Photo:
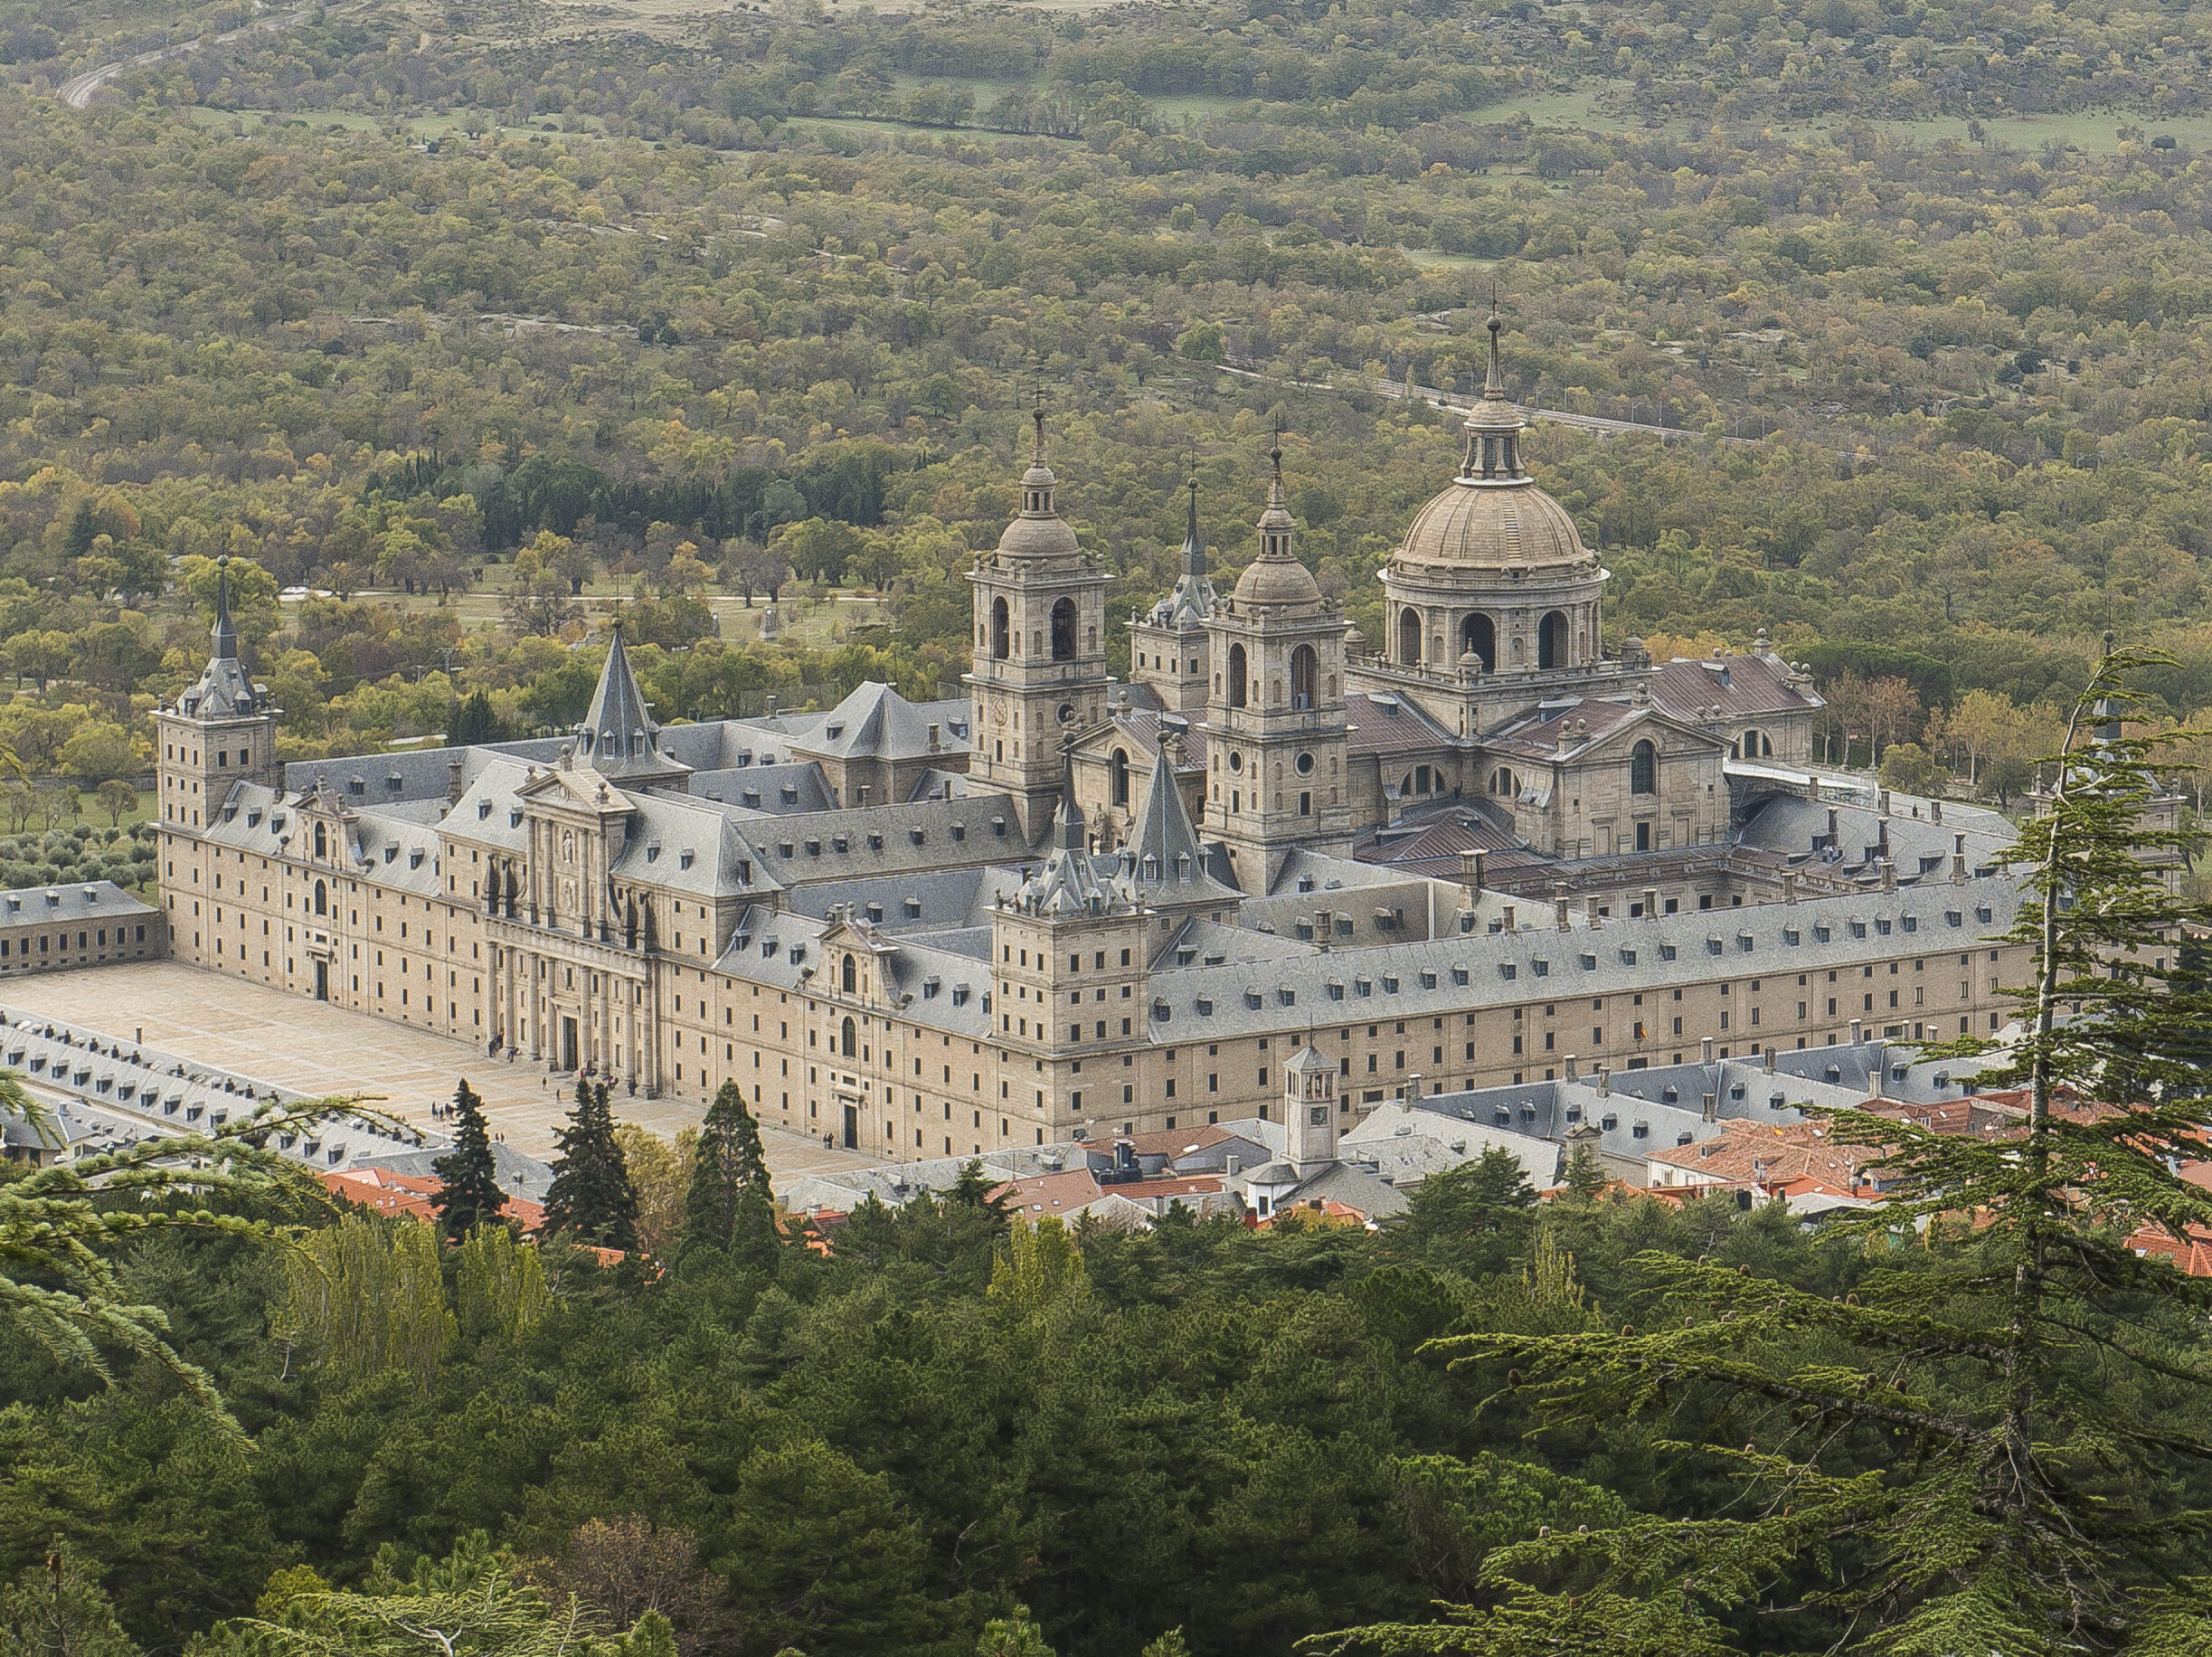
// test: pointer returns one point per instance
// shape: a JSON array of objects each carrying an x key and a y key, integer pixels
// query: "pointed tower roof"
[
  {"x": 1162, "y": 857},
  {"x": 1275, "y": 576},
  {"x": 1039, "y": 532},
  {"x": 1493, "y": 416},
  {"x": 1193, "y": 600},
  {"x": 618, "y": 738},
  {"x": 1068, "y": 884},
  {"x": 222, "y": 690}
]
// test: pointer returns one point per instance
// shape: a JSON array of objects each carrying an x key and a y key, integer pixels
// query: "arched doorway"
[
  {"x": 1409, "y": 638},
  {"x": 1305, "y": 671},
  {"x": 1063, "y": 631},
  {"x": 1479, "y": 634},
  {"x": 1551, "y": 641},
  {"x": 1238, "y": 673},
  {"x": 1000, "y": 631}
]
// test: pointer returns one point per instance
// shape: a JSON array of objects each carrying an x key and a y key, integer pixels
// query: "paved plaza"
[{"x": 314, "y": 1048}]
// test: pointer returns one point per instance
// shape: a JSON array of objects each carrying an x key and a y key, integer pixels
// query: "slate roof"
[
  {"x": 1162, "y": 857},
  {"x": 1739, "y": 686},
  {"x": 1378, "y": 724},
  {"x": 774, "y": 790},
  {"x": 871, "y": 840},
  {"x": 94, "y": 900},
  {"x": 875, "y": 723}
]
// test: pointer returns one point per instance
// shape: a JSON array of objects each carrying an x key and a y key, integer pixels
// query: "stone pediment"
[{"x": 581, "y": 789}]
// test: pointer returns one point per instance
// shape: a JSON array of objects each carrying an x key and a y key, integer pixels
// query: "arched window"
[
  {"x": 1421, "y": 779},
  {"x": 1643, "y": 769},
  {"x": 1063, "y": 631},
  {"x": 1238, "y": 673},
  {"x": 852, "y": 976},
  {"x": 322, "y": 896},
  {"x": 1305, "y": 671},
  {"x": 999, "y": 632},
  {"x": 1551, "y": 641},
  {"x": 1479, "y": 634},
  {"x": 1504, "y": 783},
  {"x": 1117, "y": 776},
  {"x": 1409, "y": 638},
  {"x": 1755, "y": 746},
  {"x": 322, "y": 842},
  {"x": 849, "y": 1040}
]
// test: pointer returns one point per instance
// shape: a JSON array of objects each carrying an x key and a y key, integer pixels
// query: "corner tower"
[
  {"x": 1040, "y": 654},
  {"x": 220, "y": 732},
  {"x": 1274, "y": 719}
]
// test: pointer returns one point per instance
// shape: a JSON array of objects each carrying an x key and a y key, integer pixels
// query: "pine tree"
[
  {"x": 471, "y": 1196},
  {"x": 730, "y": 1206},
  {"x": 1993, "y": 1442},
  {"x": 474, "y": 721},
  {"x": 591, "y": 1198}
]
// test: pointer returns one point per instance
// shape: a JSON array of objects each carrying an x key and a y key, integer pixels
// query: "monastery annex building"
[{"x": 1487, "y": 853}]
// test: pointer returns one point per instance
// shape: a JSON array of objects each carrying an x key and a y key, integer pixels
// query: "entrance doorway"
[
  {"x": 568, "y": 1043},
  {"x": 852, "y": 1127},
  {"x": 322, "y": 981}
]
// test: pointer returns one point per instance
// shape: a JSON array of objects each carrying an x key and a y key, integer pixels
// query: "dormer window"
[
  {"x": 790, "y": 793},
  {"x": 838, "y": 843},
  {"x": 484, "y": 810},
  {"x": 752, "y": 798},
  {"x": 684, "y": 859},
  {"x": 875, "y": 842},
  {"x": 652, "y": 851},
  {"x": 514, "y": 817}
]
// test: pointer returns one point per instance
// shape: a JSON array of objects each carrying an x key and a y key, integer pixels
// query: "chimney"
[
  {"x": 1471, "y": 868},
  {"x": 1711, "y": 1106},
  {"x": 1605, "y": 1080},
  {"x": 1935, "y": 811},
  {"x": 1589, "y": 910},
  {"x": 932, "y": 739},
  {"x": 1560, "y": 906},
  {"x": 771, "y": 713},
  {"x": 1570, "y": 1066},
  {"x": 1789, "y": 886},
  {"x": 1958, "y": 856},
  {"x": 1885, "y": 805},
  {"x": 1889, "y": 876},
  {"x": 1231, "y": 1167},
  {"x": 1770, "y": 1061},
  {"x": 1877, "y": 1070},
  {"x": 1858, "y": 1031},
  {"x": 1833, "y": 831},
  {"x": 1705, "y": 1051},
  {"x": 1508, "y": 917},
  {"x": 453, "y": 780},
  {"x": 1651, "y": 903}
]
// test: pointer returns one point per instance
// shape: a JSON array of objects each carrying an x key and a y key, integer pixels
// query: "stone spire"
[
  {"x": 1068, "y": 884},
  {"x": 225, "y": 635},
  {"x": 1162, "y": 857},
  {"x": 1494, "y": 425},
  {"x": 1194, "y": 599}
]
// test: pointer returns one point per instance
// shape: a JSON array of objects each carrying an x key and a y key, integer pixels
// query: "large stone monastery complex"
[{"x": 1487, "y": 853}]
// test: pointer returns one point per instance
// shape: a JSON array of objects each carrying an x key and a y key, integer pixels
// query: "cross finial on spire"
[{"x": 225, "y": 633}]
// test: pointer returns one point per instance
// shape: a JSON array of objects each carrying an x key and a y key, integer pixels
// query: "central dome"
[{"x": 1481, "y": 524}]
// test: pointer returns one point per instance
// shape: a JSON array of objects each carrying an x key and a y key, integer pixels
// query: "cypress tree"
[
  {"x": 591, "y": 1198},
  {"x": 730, "y": 1206},
  {"x": 474, "y": 721},
  {"x": 1994, "y": 1440},
  {"x": 471, "y": 1196}
]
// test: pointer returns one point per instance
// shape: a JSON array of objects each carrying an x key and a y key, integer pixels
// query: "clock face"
[
  {"x": 998, "y": 710},
  {"x": 1067, "y": 712}
]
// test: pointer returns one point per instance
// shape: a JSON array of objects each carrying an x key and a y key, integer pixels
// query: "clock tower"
[{"x": 1040, "y": 662}]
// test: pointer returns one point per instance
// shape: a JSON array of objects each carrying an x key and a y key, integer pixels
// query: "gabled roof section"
[
  {"x": 1384, "y": 724},
  {"x": 1740, "y": 686},
  {"x": 873, "y": 722}
]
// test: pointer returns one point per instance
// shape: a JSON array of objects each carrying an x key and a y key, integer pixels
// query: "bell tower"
[
  {"x": 1275, "y": 732},
  {"x": 1040, "y": 652}
]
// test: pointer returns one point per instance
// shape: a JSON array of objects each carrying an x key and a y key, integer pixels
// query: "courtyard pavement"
[{"x": 314, "y": 1048}]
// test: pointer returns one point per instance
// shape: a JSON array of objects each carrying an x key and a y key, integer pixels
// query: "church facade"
[{"x": 1485, "y": 853}]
